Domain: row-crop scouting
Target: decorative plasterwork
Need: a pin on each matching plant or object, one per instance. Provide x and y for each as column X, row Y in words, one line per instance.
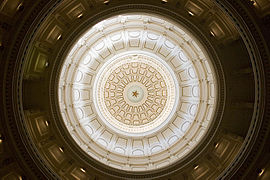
column 188, row 91
column 135, row 93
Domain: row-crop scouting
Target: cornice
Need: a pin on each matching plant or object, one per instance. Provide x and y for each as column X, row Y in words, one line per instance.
column 254, row 140
column 20, row 139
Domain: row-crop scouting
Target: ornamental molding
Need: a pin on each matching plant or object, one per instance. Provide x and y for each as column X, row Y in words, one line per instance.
column 93, row 82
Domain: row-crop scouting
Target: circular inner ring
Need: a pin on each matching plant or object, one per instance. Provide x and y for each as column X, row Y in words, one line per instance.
column 136, row 92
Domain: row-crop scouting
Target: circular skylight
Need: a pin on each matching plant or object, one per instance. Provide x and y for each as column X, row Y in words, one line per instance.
column 137, row 92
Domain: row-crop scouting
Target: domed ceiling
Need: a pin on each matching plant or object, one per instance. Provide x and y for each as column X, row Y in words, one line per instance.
column 113, row 89
column 142, row 90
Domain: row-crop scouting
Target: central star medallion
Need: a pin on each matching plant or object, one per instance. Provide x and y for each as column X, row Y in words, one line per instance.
column 135, row 93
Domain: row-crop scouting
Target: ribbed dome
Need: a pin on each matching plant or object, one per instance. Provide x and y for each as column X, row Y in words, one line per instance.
column 142, row 92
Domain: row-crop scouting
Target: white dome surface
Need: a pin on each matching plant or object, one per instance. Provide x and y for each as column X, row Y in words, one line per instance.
column 137, row 92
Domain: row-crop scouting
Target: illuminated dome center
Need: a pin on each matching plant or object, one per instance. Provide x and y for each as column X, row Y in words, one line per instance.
column 137, row 92
column 134, row 94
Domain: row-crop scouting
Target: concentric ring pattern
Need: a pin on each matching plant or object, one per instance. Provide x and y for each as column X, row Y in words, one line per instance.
column 137, row 92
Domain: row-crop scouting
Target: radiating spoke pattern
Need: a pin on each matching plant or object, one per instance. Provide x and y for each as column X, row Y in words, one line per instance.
column 137, row 92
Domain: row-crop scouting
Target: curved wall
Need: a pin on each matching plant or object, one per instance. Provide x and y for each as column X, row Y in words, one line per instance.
column 31, row 123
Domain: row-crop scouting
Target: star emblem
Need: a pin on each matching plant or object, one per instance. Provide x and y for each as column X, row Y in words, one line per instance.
column 135, row 94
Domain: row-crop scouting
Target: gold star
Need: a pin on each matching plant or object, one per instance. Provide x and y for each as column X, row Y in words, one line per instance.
column 135, row 93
